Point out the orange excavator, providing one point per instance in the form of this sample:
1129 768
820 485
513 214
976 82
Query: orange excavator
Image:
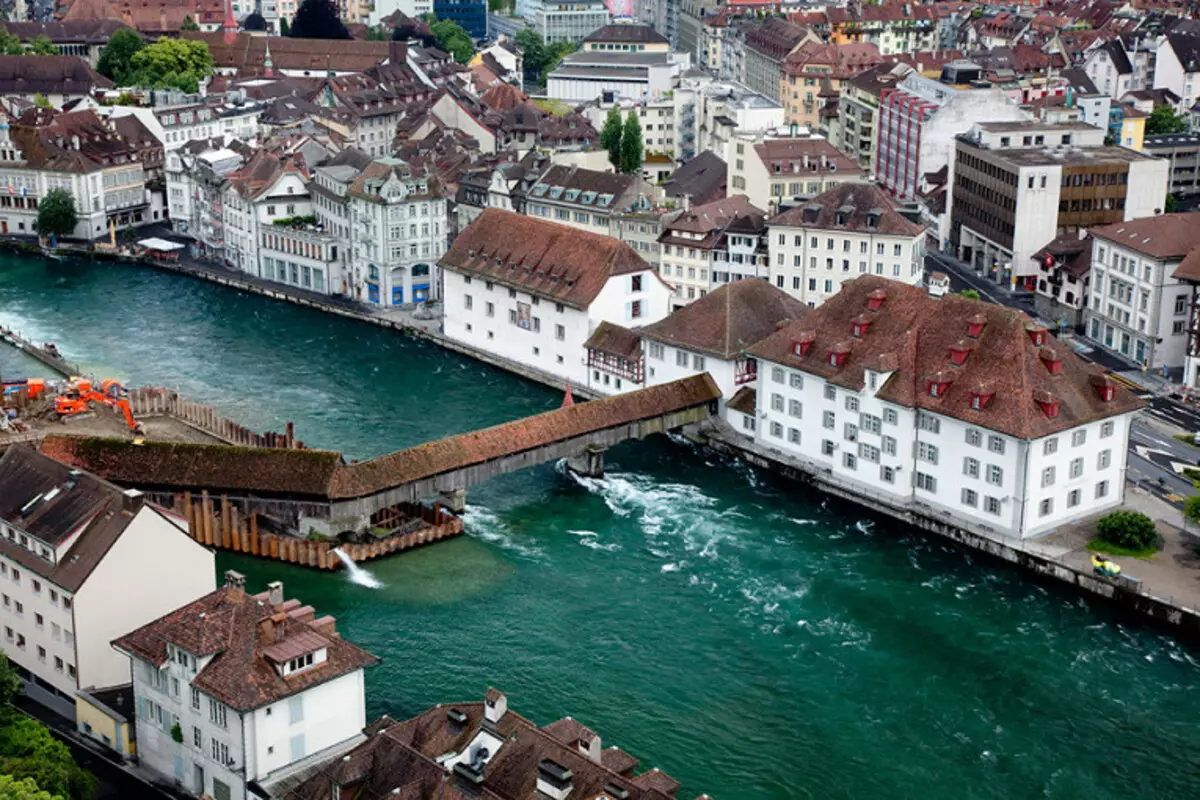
81 397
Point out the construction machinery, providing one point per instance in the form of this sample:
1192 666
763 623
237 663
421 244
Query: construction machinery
80 397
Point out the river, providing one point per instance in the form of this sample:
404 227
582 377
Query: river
749 637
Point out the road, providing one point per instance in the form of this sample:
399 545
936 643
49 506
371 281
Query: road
1156 460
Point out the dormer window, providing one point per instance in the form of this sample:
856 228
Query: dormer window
980 398
1052 360
959 353
801 346
1037 334
875 299
938 384
975 325
859 326
873 217
1047 402
299 663
838 354
1106 387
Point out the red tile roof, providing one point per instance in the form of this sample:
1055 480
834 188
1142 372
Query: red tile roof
854 201
911 335
729 320
562 264
814 156
242 633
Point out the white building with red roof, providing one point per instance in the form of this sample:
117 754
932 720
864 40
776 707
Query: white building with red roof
950 408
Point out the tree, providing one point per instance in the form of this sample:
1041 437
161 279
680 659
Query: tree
970 294
42 46
10 44
29 751
13 789
610 136
1191 508
116 56
56 213
1163 119
172 64
285 29
189 24
1171 204
632 152
534 52
41 101
454 39
317 19
1131 529
10 687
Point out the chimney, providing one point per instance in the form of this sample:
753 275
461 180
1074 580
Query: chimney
275 593
591 748
235 580
495 706
266 630
397 52
326 626
132 500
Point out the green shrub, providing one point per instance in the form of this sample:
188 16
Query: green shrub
1131 529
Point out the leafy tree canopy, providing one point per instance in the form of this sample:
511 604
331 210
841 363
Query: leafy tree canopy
189 24
317 19
42 46
56 214
453 38
116 56
172 64
1131 529
14 789
610 136
10 45
1163 119
632 151
1191 508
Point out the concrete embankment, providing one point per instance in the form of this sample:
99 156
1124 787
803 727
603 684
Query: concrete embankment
1126 596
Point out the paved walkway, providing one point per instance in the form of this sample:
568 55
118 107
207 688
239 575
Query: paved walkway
1172 574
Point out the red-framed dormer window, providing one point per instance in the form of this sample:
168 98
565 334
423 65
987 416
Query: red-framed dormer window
859 327
959 353
1053 361
937 387
1047 402
838 357
975 325
875 299
801 346
1037 334
1105 387
980 400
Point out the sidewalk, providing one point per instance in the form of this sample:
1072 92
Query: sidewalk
1172 574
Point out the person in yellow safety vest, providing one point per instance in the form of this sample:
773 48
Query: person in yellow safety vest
1105 567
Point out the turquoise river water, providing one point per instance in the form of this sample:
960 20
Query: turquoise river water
733 629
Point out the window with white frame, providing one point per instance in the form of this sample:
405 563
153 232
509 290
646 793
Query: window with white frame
830 392
1046 507
971 467
777 374
1073 498
795 408
996 444
926 482
887 474
928 422
868 452
852 404
995 475
890 416
1047 477
970 498
1101 489
927 452
828 420
850 432
1050 446
777 402
1076 467
889 445
974 437
870 423
796 380
1106 429
849 461
1104 459
1078 437
776 430
991 505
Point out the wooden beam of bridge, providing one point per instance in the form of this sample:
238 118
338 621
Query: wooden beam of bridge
456 462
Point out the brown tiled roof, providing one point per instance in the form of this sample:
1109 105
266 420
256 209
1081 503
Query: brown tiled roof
399 754
298 473
67 31
26 75
702 179
82 502
859 199
713 217
788 156
775 37
239 630
247 54
745 401
1165 236
502 97
1073 254
563 264
725 322
455 452
615 340
912 333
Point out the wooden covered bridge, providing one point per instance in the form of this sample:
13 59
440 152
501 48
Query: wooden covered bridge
313 489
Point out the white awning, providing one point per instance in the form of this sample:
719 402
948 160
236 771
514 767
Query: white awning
154 243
